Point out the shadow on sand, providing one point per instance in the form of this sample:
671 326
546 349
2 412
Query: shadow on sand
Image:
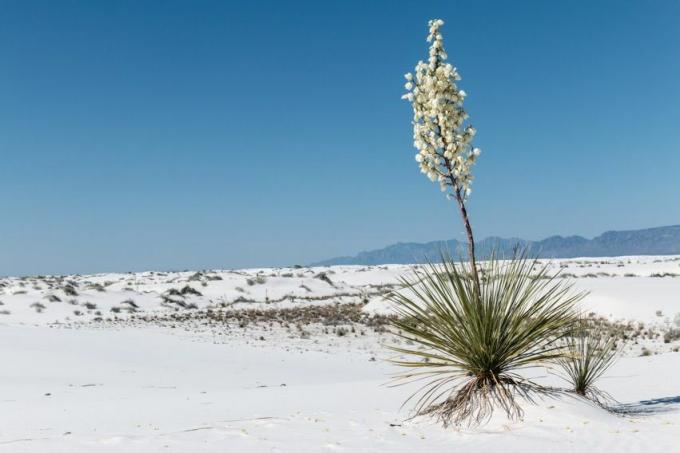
648 407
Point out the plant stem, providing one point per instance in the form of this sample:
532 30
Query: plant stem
470 238
463 212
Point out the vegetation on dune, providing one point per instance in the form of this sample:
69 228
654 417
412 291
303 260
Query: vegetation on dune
590 353
467 343
471 328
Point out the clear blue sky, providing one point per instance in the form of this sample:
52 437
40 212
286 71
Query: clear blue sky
169 135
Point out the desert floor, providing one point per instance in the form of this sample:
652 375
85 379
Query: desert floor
294 360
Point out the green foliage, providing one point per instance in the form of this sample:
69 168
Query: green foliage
465 345
591 353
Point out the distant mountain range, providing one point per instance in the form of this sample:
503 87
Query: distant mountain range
650 241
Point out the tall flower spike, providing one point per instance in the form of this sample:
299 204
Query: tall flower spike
444 142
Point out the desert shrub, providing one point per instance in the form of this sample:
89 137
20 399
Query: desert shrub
196 277
590 353
97 287
188 290
130 303
257 280
469 343
673 334
323 276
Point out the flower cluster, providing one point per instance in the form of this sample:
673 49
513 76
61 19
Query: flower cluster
444 142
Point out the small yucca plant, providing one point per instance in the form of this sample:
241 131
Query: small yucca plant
590 354
467 344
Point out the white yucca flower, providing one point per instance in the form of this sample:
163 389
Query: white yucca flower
444 142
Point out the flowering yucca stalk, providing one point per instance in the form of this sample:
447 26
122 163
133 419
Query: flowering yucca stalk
444 141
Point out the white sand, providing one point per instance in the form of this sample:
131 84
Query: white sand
100 387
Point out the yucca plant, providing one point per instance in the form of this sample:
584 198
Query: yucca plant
466 343
471 329
590 354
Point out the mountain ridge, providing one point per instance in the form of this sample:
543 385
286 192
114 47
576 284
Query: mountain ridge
664 240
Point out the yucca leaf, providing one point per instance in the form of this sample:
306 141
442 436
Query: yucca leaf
471 342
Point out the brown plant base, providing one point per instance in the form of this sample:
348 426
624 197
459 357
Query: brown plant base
474 401
598 397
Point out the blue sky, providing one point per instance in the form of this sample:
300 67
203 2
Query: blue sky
175 135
